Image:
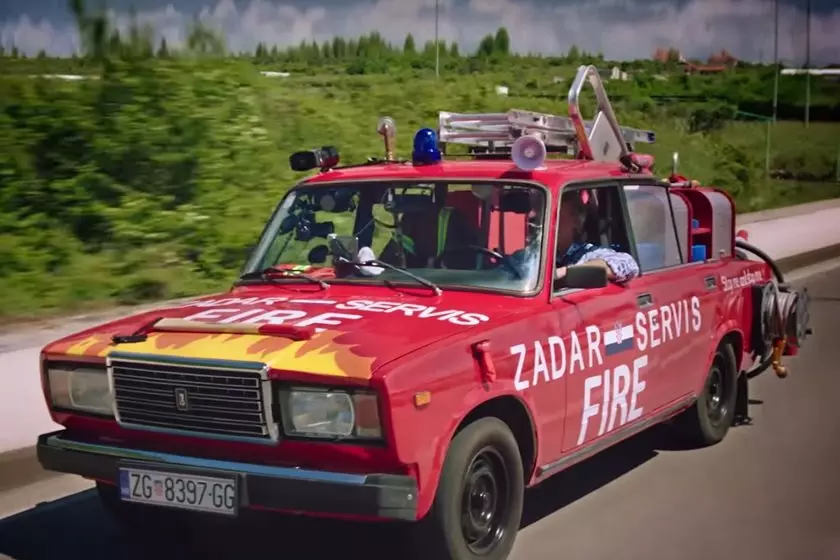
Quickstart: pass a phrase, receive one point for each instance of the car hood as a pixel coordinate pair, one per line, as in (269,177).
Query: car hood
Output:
(348,331)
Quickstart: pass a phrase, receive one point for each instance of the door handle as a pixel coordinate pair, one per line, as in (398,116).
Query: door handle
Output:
(644,300)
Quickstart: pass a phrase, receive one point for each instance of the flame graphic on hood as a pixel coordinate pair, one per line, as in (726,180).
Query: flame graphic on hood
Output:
(323,354)
(94,345)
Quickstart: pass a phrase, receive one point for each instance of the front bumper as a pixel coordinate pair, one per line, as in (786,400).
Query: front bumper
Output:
(313,492)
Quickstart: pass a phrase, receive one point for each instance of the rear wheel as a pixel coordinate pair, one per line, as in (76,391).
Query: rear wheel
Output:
(708,421)
(478,506)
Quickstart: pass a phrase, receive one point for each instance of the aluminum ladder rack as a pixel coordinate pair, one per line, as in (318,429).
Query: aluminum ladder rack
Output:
(601,138)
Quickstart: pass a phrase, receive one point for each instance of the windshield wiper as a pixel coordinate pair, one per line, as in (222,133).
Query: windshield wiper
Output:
(383,264)
(264,275)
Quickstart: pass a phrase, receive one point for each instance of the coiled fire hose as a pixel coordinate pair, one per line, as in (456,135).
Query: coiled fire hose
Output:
(782,316)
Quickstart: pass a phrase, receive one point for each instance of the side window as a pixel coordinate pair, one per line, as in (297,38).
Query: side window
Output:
(658,243)
(590,215)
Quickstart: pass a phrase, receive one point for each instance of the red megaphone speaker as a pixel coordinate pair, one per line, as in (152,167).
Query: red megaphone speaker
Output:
(528,153)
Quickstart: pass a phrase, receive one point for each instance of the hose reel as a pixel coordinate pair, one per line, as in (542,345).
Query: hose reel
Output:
(781,323)
(781,319)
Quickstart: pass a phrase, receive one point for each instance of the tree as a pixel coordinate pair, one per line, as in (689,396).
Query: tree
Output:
(453,50)
(339,47)
(163,49)
(362,46)
(115,45)
(409,47)
(93,30)
(487,46)
(205,41)
(673,56)
(145,46)
(314,50)
(351,48)
(501,43)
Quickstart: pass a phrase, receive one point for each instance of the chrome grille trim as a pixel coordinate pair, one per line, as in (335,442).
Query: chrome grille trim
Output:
(226,400)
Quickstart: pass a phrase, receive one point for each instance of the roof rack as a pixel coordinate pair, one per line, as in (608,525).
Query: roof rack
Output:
(601,139)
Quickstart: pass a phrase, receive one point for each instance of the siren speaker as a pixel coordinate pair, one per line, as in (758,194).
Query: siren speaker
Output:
(528,153)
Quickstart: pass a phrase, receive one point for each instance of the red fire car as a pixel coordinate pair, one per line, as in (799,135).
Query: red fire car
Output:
(422,340)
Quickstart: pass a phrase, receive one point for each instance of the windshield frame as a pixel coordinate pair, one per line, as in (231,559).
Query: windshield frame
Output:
(265,240)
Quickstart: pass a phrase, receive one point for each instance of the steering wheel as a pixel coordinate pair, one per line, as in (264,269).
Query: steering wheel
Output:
(477,249)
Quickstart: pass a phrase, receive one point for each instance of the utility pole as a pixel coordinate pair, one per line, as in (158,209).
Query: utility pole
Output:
(437,41)
(808,66)
(776,71)
(776,65)
(837,168)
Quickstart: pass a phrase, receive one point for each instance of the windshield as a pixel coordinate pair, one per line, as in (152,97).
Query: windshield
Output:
(487,236)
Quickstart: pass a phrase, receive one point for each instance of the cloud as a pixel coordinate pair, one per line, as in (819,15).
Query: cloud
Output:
(31,37)
(621,29)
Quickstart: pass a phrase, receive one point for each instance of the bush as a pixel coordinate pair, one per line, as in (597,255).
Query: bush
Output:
(152,155)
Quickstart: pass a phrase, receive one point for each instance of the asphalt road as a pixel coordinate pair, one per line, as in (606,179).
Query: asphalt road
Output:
(770,491)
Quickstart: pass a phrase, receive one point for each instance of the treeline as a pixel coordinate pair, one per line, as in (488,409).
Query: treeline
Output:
(745,88)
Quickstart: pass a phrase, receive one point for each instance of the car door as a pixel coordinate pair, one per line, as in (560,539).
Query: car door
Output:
(675,300)
(608,383)
(605,384)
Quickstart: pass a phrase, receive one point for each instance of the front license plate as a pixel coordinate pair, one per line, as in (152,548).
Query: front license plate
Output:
(183,491)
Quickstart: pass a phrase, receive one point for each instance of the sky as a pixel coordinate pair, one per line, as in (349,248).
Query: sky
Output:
(620,29)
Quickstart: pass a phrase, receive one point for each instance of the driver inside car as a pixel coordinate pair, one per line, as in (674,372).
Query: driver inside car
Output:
(571,251)
(428,234)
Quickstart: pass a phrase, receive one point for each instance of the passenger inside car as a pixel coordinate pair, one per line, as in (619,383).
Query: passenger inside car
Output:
(426,234)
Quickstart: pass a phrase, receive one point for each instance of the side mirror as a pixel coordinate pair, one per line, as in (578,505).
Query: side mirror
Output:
(585,277)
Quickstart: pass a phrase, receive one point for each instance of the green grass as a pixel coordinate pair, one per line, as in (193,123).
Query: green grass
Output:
(153,182)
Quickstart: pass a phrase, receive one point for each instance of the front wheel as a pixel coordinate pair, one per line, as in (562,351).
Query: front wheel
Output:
(478,505)
(708,421)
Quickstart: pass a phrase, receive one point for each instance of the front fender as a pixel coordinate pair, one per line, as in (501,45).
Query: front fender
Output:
(477,402)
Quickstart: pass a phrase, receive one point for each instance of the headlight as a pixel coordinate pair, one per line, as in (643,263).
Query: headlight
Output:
(330,414)
(80,388)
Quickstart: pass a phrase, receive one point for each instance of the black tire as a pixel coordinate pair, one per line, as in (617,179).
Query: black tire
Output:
(141,521)
(708,421)
(484,456)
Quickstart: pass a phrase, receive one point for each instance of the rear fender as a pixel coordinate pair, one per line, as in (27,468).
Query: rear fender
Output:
(727,332)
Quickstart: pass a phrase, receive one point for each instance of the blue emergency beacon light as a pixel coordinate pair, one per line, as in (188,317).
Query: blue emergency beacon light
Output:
(425,147)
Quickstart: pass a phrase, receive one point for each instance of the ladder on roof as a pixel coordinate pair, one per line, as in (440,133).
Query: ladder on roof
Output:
(600,139)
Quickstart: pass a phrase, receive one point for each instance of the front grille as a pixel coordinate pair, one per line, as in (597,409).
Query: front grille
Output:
(187,398)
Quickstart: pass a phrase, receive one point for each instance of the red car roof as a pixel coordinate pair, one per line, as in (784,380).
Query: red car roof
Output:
(555,174)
